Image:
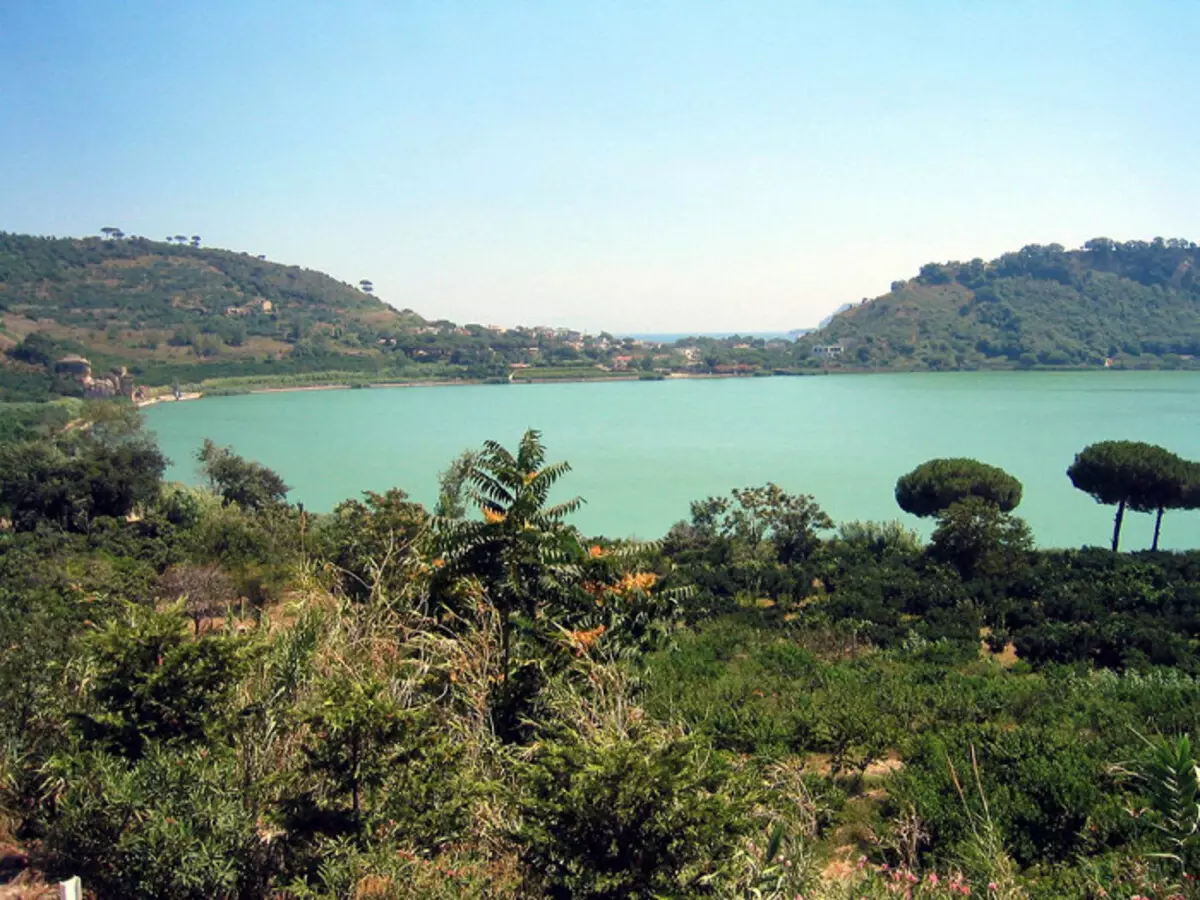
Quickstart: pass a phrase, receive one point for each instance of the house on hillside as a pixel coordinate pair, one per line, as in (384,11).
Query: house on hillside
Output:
(249,309)
(829,351)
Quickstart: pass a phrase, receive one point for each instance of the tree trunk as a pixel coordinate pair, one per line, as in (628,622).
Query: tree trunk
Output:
(1117,526)
(1157,528)
(355,799)
(505,631)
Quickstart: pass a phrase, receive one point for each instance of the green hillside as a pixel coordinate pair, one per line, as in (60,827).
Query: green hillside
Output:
(181,310)
(1132,304)
(175,311)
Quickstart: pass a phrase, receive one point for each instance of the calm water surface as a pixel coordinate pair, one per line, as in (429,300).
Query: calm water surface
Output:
(641,451)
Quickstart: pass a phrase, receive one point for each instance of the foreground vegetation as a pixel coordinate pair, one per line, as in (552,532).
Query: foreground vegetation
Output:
(214,693)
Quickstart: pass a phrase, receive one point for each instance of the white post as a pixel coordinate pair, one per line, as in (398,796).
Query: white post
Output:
(71,889)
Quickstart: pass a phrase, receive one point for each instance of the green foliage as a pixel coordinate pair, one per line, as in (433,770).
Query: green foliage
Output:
(627,815)
(452,484)
(174,823)
(150,683)
(762,542)
(879,538)
(1133,474)
(1133,303)
(1110,610)
(249,484)
(29,421)
(356,733)
(981,540)
(74,480)
(1043,788)
(934,486)
(453,706)
(523,553)
(1171,780)
(370,544)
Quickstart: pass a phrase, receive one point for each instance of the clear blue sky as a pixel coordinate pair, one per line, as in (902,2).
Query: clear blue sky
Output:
(639,166)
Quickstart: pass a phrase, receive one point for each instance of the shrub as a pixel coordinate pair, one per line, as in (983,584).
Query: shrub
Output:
(616,815)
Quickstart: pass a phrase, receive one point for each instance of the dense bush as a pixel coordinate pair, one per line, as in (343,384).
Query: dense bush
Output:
(637,814)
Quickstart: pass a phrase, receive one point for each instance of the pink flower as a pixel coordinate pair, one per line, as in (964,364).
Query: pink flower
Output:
(992,886)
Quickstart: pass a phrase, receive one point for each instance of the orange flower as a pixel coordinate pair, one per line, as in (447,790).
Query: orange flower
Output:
(581,641)
(595,551)
(639,581)
(438,563)
(492,516)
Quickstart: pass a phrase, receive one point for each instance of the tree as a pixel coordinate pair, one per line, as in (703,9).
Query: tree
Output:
(206,591)
(36,349)
(356,730)
(366,286)
(249,484)
(451,484)
(788,523)
(1130,474)
(522,552)
(149,682)
(935,485)
(195,240)
(81,478)
(979,539)
(111,422)
(1175,486)
(370,541)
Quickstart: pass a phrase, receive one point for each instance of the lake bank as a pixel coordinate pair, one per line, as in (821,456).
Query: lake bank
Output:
(457,382)
(221,387)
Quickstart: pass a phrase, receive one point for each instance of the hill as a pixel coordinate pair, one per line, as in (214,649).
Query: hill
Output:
(1132,304)
(72,310)
(180,310)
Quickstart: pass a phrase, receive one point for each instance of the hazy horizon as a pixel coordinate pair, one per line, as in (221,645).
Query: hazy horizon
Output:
(637,168)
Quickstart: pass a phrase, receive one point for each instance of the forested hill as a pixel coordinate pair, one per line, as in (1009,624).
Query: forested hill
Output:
(175,311)
(1132,304)
(137,301)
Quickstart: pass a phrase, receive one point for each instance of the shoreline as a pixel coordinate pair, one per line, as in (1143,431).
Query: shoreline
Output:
(167,398)
(457,382)
(671,376)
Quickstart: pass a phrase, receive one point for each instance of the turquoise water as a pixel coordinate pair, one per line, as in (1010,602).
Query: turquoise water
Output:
(641,451)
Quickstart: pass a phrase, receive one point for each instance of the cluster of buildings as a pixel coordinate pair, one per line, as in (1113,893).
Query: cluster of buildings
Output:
(254,307)
(117,383)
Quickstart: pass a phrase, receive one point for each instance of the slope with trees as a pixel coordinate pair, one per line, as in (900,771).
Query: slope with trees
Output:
(1134,304)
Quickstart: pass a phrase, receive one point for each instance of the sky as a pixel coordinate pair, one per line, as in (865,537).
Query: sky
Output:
(630,166)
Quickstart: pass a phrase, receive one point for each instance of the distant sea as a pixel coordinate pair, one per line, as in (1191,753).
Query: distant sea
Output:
(670,337)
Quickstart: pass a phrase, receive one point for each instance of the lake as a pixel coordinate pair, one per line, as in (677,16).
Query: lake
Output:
(642,451)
